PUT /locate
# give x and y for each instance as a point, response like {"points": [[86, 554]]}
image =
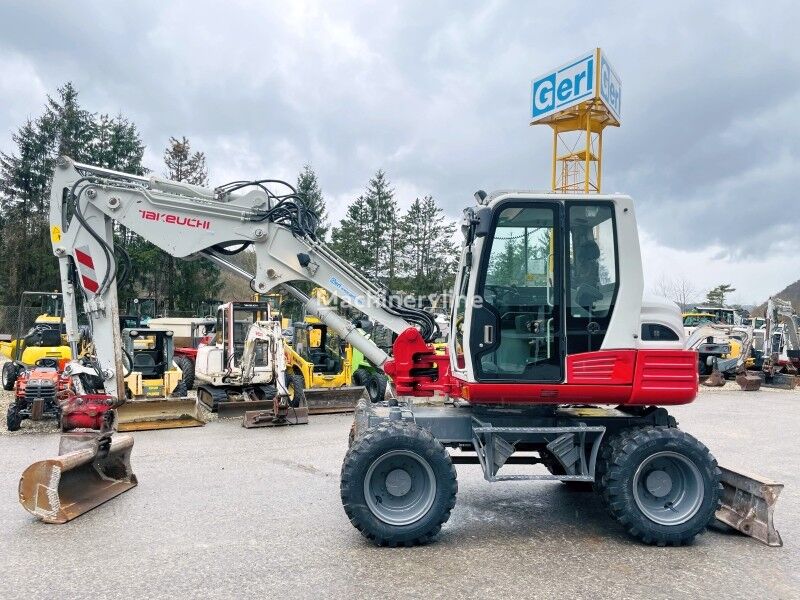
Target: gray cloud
{"points": [[436, 93]]}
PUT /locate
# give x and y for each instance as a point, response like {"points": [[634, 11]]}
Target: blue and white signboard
{"points": [[586, 77], [610, 87]]}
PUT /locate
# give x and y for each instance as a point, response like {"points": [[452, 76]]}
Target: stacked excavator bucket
{"points": [[90, 469], [159, 413]]}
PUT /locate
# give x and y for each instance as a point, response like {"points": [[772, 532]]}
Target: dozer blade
{"points": [[90, 469], [747, 505], [237, 408], [344, 399], [159, 413]]}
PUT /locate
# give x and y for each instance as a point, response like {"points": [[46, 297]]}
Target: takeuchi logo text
{"points": [[152, 215]]}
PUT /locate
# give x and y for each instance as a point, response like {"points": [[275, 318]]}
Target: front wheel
{"points": [[13, 418], [10, 374], [296, 388], [398, 484], [661, 484]]}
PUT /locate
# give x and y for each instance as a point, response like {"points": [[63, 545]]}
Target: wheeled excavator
{"points": [[553, 358]]}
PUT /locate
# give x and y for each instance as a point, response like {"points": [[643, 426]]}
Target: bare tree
{"points": [[678, 289]]}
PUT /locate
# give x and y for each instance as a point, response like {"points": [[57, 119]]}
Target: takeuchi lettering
{"points": [[152, 215]]}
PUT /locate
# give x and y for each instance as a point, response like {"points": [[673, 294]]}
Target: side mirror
{"points": [[483, 221]]}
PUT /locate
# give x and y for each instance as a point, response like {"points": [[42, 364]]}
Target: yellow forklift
{"points": [[44, 339]]}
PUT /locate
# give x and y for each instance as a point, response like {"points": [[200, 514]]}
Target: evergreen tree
{"points": [[716, 295], [352, 238], [184, 166], [26, 257], [382, 234], [428, 260], [187, 281], [308, 189]]}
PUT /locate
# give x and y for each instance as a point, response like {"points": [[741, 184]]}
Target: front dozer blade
{"points": [[91, 468], [747, 505], [159, 413], [321, 401]]}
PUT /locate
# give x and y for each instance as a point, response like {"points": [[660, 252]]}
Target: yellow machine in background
{"points": [[46, 338], [156, 387]]}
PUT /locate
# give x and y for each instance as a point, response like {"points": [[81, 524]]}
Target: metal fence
{"points": [[9, 318]]}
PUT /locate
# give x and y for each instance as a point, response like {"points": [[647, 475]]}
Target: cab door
{"points": [[516, 325]]}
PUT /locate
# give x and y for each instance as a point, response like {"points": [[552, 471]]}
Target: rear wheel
{"points": [[398, 484], [360, 376], [186, 366], [660, 483], [13, 418], [295, 386], [10, 374]]}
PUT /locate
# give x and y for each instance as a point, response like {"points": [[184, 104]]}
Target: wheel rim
{"points": [[400, 487], [668, 488]]}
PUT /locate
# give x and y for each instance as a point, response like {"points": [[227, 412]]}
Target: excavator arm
{"points": [[188, 221]]}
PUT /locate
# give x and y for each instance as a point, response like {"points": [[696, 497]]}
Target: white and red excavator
{"points": [[553, 357]]}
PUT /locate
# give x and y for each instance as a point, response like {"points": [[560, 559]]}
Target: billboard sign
{"points": [[583, 78]]}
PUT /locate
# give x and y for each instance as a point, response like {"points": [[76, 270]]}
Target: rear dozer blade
{"points": [[321, 401], [237, 408], [90, 469], [159, 413], [747, 505]]}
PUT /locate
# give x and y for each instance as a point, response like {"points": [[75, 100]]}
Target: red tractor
{"points": [[38, 393]]}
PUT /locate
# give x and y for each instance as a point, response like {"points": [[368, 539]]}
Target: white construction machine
{"points": [[553, 359]]}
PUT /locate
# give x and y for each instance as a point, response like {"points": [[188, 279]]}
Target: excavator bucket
{"points": [[159, 413], [748, 504], [90, 469], [321, 401]]}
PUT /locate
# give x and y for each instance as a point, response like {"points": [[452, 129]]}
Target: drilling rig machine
{"points": [[553, 358]]}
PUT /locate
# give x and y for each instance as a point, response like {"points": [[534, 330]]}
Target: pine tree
{"points": [[64, 128], [308, 189], [352, 238], [184, 166], [428, 261], [185, 282], [383, 232]]}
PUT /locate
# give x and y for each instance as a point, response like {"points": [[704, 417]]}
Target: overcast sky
{"points": [[437, 95]]}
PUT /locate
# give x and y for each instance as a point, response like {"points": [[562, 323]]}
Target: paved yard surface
{"points": [[227, 512]]}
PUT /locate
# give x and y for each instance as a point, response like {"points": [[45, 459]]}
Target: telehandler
{"points": [[552, 352]]}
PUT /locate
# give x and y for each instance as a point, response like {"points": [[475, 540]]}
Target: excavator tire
{"points": [[398, 484], [186, 366], [660, 483], [376, 386], [10, 374], [295, 385]]}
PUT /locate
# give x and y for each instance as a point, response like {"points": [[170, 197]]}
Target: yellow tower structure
{"points": [[578, 100]]}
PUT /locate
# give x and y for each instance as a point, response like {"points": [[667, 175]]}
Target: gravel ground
{"points": [[224, 512]]}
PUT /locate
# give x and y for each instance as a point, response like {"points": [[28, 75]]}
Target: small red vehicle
{"points": [[38, 393]]}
